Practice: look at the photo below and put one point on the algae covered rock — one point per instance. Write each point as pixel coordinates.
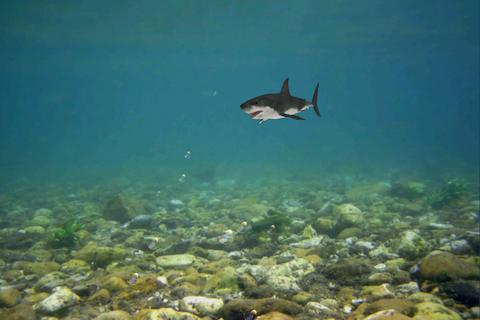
(100, 256)
(226, 279)
(164, 313)
(39, 268)
(349, 271)
(389, 314)
(348, 216)
(61, 298)
(121, 209)
(410, 245)
(9, 296)
(372, 293)
(114, 315)
(284, 277)
(236, 309)
(274, 315)
(176, 261)
(435, 311)
(409, 190)
(19, 312)
(445, 266)
(403, 306)
(114, 284)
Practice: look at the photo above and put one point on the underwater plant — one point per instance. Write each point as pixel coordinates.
(451, 193)
(270, 227)
(64, 236)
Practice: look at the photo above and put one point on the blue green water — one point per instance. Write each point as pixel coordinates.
(93, 88)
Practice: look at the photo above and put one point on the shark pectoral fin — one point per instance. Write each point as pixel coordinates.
(291, 116)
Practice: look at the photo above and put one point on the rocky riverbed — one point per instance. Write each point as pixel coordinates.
(230, 250)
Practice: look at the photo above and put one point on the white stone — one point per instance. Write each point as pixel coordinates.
(62, 297)
(162, 281)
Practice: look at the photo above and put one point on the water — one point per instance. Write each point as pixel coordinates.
(143, 99)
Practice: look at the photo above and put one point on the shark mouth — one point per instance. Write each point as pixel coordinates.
(255, 113)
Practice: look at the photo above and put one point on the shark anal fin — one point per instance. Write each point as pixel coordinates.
(291, 116)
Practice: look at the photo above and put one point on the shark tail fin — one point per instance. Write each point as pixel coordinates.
(314, 101)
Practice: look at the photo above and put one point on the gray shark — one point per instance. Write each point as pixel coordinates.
(279, 105)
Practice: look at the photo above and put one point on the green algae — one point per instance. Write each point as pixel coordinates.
(65, 235)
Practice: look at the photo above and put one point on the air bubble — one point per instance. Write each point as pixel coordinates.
(187, 154)
(182, 178)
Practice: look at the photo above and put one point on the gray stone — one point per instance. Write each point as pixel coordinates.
(176, 261)
(202, 306)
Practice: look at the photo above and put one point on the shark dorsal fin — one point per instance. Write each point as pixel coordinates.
(285, 91)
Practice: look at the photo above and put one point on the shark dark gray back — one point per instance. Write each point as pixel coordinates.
(279, 105)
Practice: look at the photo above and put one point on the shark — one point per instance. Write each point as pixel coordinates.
(279, 105)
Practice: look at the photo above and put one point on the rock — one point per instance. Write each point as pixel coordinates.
(324, 225)
(237, 308)
(403, 306)
(185, 289)
(410, 245)
(444, 266)
(407, 288)
(176, 261)
(201, 306)
(379, 278)
(122, 210)
(410, 190)
(308, 243)
(75, 266)
(274, 316)
(226, 280)
(424, 297)
(34, 231)
(348, 216)
(246, 282)
(162, 281)
(372, 293)
(102, 296)
(466, 292)
(50, 281)
(349, 232)
(114, 315)
(61, 298)
(214, 255)
(348, 271)
(302, 297)
(389, 314)
(283, 277)
(9, 297)
(285, 256)
(19, 312)
(317, 309)
(460, 247)
(114, 284)
(164, 314)
(100, 256)
(35, 298)
(434, 311)
(363, 246)
(39, 268)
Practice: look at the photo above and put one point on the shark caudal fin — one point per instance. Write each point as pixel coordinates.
(314, 101)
